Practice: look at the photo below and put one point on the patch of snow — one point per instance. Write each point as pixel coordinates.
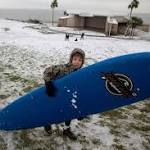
(26, 52)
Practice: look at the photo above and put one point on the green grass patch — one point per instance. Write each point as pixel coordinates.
(7, 74)
(28, 83)
(32, 84)
(146, 108)
(146, 144)
(96, 141)
(14, 78)
(4, 96)
(115, 132)
(118, 147)
(116, 140)
(3, 145)
(142, 117)
(2, 69)
(9, 66)
(24, 139)
(27, 89)
(69, 147)
(138, 127)
(115, 114)
(82, 139)
(131, 107)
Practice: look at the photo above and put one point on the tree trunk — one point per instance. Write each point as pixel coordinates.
(133, 31)
(128, 25)
(52, 16)
(130, 13)
(127, 30)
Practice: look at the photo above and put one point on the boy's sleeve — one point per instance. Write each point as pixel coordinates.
(53, 72)
(49, 74)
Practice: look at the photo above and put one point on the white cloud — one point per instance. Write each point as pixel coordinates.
(116, 5)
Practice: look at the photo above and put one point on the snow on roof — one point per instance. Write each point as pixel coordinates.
(112, 20)
(121, 19)
(117, 19)
(64, 17)
(96, 13)
(84, 14)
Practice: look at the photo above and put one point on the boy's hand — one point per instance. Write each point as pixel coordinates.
(50, 89)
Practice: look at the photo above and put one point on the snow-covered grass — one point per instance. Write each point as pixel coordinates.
(27, 49)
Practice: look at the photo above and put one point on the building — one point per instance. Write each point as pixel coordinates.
(116, 25)
(92, 21)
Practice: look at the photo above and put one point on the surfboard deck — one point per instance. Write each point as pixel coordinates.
(104, 86)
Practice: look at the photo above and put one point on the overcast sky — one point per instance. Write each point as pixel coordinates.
(93, 5)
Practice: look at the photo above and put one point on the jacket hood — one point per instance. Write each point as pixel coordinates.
(77, 51)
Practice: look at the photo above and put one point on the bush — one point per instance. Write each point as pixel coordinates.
(34, 21)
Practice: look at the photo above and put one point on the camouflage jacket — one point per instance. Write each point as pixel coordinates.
(57, 71)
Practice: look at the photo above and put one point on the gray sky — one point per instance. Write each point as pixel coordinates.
(90, 5)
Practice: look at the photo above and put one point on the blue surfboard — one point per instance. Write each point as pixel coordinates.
(106, 85)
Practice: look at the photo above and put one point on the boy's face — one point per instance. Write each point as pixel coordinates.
(77, 61)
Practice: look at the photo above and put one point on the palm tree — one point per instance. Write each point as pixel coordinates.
(134, 4)
(54, 4)
(135, 22)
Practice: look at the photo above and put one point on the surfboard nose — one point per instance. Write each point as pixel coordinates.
(5, 123)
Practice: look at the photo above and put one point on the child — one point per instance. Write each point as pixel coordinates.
(76, 61)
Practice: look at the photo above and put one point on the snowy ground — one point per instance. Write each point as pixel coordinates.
(27, 49)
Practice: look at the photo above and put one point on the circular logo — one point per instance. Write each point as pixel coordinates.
(118, 84)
